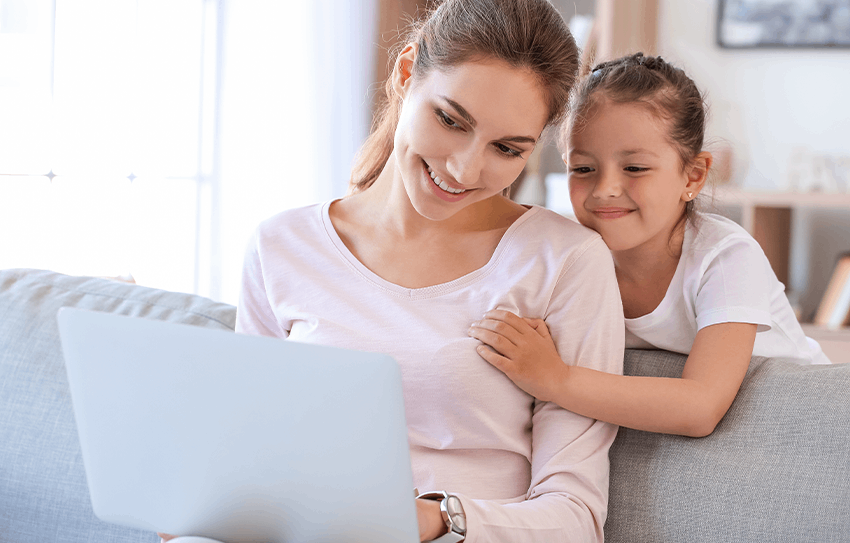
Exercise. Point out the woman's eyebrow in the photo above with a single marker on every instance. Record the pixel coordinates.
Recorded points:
(468, 118)
(460, 110)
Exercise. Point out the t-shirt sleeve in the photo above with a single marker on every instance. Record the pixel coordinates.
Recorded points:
(734, 286)
(254, 314)
(568, 496)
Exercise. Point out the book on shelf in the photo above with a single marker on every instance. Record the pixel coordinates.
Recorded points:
(834, 309)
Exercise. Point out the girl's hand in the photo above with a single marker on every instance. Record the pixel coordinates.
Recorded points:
(166, 537)
(431, 525)
(523, 350)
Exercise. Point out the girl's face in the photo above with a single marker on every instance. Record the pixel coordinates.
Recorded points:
(464, 133)
(626, 178)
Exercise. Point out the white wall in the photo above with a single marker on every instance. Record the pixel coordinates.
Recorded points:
(767, 103)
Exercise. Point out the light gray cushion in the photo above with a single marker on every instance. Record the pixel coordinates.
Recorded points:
(43, 491)
(776, 469)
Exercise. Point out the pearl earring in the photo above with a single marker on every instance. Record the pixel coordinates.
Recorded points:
(690, 195)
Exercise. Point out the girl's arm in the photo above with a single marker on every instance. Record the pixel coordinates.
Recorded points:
(690, 406)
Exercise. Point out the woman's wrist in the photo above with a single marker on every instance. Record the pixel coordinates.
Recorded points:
(431, 524)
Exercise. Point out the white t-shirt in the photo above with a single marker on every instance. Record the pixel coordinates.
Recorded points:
(723, 276)
(524, 470)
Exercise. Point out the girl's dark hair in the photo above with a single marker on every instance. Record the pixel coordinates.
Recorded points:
(528, 34)
(666, 90)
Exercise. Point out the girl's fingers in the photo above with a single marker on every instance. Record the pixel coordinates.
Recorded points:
(502, 328)
(517, 323)
(539, 326)
(494, 339)
(495, 359)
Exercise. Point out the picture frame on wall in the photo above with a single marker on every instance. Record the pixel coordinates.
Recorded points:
(745, 24)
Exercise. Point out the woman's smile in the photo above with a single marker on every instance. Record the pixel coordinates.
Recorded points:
(442, 189)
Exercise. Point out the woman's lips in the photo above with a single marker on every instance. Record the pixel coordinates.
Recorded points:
(611, 212)
(439, 192)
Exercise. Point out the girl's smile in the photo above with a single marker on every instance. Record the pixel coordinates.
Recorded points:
(611, 212)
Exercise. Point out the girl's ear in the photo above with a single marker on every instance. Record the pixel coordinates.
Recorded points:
(403, 69)
(697, 175)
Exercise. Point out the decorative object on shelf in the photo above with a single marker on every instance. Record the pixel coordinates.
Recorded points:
(783, 23)
(815, 172)
(834, 309)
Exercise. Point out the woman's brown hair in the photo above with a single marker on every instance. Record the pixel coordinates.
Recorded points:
(527, 34)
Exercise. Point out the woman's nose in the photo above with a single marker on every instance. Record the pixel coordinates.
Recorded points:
(465, 165)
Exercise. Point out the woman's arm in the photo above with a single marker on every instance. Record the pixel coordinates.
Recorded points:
(690, 406)
(568, 493)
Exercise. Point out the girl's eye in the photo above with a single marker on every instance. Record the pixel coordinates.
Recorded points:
(635, 169)
(581, 169)
(446, 120)
(505, 150)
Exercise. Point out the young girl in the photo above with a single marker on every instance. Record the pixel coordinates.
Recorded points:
(691, 283)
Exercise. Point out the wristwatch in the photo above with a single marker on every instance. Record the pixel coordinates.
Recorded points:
(453, 516)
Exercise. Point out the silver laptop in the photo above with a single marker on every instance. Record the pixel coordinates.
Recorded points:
(193, 431)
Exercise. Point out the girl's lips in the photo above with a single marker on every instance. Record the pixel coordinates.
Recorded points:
(611, 212)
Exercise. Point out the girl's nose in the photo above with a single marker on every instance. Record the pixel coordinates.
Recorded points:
(607, 186)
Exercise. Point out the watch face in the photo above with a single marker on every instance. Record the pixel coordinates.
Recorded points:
(455, 510)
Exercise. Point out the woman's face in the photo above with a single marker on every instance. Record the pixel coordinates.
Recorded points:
(626, 178)
(464, 133)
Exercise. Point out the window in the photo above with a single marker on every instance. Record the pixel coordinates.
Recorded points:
(106, 130)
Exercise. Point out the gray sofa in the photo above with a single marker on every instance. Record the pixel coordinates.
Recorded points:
(777, 469)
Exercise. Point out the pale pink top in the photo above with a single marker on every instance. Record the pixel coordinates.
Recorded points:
(524, 470)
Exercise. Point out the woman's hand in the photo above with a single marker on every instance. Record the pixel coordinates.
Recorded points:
(523, 350)
(431, 525)
(166, 537)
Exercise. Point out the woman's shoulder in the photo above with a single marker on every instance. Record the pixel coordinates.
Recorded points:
(544, 233)
(564, 231)
(298, 219)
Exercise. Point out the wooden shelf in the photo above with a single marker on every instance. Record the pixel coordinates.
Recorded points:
(737, 196)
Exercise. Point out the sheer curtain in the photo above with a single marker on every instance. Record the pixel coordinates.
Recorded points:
(296, 108)
(146, 138)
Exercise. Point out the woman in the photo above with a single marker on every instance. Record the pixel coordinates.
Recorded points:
(427, 242)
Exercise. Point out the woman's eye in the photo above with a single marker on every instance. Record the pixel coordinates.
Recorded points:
(504, 149)
(446, 120)
(581, 169)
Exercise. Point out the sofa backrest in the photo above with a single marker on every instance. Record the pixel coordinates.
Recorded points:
(43, 491)
(776, 468)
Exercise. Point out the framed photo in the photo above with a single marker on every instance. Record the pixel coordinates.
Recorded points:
(745, 24)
